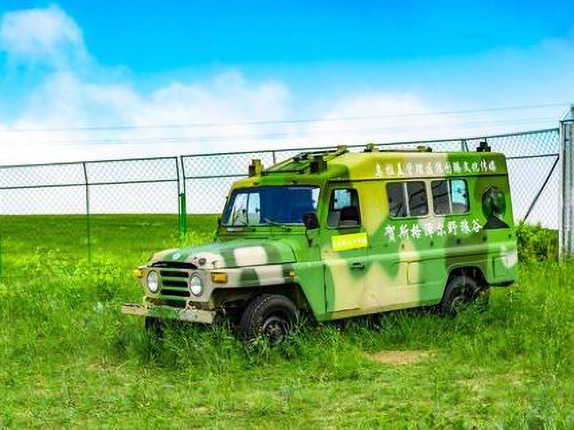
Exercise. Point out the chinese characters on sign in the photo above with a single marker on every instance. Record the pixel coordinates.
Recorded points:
(433, 168)
(350, 241)
(431, 229)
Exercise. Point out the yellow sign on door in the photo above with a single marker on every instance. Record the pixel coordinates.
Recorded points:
(346, 242)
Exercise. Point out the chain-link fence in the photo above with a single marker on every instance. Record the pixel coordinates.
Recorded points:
(532, 164)
(58, 213)
(89, 211)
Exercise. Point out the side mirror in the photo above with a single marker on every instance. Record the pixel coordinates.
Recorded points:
(311, 221)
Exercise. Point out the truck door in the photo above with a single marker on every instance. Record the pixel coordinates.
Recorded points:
(343, 250)
(400, 248)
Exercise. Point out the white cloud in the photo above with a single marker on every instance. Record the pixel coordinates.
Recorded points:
(72, 90)
(385, 119)
(65, 100)
(41, 36)
(76, 91)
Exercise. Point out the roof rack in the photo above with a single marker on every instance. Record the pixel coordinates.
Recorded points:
(316, 161)
(309, 161)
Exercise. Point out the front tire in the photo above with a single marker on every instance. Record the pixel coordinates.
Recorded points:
(269, 316)
(154, 327)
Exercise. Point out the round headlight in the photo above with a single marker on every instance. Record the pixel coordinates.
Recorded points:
(196, 285)
(153, 281)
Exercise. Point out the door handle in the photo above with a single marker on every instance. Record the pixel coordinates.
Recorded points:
(359, 265)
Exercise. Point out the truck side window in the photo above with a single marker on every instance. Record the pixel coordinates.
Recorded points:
(417, 193)
(441, 201)
(344, 208)
(407, 199)
(450, 197)
(396, 199)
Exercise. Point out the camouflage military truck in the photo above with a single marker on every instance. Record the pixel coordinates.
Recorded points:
(338, 234)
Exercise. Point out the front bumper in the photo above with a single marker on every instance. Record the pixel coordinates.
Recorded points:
(166, 312)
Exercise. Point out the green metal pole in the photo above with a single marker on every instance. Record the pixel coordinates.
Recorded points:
(88, 226)
(182, 217)
(182, 200)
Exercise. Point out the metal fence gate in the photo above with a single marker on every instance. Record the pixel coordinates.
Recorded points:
(98, 210)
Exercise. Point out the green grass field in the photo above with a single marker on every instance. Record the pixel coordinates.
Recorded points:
(69, 359)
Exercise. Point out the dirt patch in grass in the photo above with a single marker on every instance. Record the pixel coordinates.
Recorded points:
(399, 357)
(474, 385)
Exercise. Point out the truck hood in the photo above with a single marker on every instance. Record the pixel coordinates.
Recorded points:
(226, 255)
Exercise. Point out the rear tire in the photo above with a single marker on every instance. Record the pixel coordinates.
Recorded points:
(269, 316)
(460, 292)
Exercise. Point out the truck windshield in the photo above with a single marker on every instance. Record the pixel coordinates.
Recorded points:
(270, 205)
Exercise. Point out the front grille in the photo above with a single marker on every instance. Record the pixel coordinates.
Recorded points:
(173, 274)
(174, 265)
(174, 284)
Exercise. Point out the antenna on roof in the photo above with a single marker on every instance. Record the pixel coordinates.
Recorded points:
(483, 147)
(255, 168)
(318, 164)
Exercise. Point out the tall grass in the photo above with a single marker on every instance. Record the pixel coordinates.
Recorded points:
(68, 358)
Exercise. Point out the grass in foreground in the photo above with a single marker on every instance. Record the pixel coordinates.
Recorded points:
(69, 359)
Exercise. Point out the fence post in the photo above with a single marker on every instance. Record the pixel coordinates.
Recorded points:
(182, 199)
(1, 238)
(1, 261)
(88, 226)
(566, 231)
(182, 217)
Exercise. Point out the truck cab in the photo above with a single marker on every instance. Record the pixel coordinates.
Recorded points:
(337, 234)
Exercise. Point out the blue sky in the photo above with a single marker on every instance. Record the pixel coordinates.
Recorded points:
(156, 36)
(76, 64)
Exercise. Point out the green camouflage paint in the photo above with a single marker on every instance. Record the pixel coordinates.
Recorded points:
(383, 264)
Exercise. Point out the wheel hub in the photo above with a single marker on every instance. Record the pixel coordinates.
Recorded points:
(274, 329)
(462, 298)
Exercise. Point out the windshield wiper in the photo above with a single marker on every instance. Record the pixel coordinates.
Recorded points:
(244, 223)
(278, 224)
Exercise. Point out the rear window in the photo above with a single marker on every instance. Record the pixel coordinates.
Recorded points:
(407, 199)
